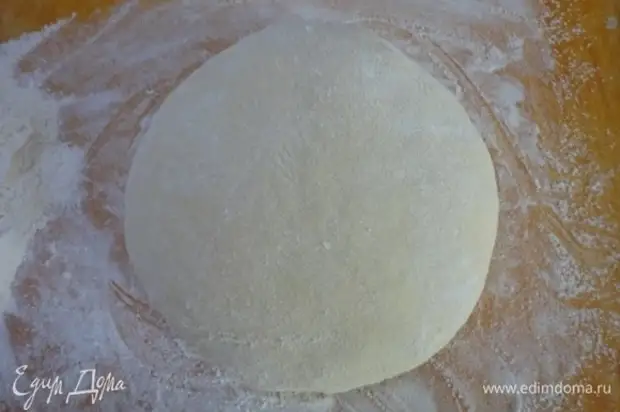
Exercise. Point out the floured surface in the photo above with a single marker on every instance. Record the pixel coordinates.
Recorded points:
(39, 176)
(542, 313)
(31, 158)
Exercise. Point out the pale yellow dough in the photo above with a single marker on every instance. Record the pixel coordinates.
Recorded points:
(312, 211)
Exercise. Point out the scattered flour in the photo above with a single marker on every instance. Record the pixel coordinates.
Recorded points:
(38, 174)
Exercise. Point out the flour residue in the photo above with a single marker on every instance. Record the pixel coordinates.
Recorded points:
(38, 175)
(87, 305)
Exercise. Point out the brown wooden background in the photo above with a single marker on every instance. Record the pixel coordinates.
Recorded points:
(594, 107)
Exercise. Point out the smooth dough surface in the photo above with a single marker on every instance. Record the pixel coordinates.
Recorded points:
(312, 211)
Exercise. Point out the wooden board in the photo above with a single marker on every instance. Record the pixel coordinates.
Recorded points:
(574, 105)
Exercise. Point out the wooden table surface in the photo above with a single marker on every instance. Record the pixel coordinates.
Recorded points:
(588, 106)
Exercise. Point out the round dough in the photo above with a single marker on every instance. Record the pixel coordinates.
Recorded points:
(312, 211)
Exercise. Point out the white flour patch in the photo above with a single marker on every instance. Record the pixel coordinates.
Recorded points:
(38, 175)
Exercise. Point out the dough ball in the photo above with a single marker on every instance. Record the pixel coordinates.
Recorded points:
(312, 211)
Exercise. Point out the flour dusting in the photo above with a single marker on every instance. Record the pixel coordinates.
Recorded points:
(38, 174)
